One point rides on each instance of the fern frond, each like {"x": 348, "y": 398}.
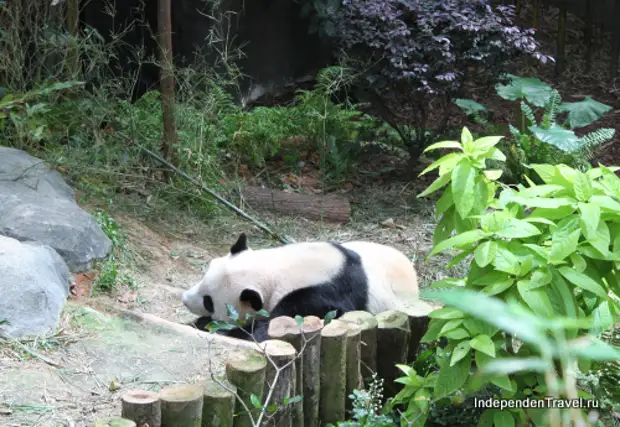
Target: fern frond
{"x": 528, "y": 113}
{"x": 552, "y": 109}
{"x": 593, "y": 140}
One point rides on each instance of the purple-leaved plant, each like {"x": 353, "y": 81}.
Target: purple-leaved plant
{"x": 418, "y": 52}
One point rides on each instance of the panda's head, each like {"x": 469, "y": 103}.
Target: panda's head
{"x": 226, "y": 281}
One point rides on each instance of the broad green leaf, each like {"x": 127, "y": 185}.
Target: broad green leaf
{"x": 457, "y": 334}
{"x": 494, "y": 174}
{"x": 485, "y": 253}
{"x": 467, "y": 140}
{"x": 563, "y": 139}
{"x": 502, "y": 381}
{"x": 532, "y": 89}
{"x": 553, "y": 214}
{"x": 583, "y": 113}
{"x": 484, "y": 344}
{"x": 444, "y": 144}
{"x": 592, "y": 348}
{"x": 541, "y": 190}
{"x": 603, "y": 318}
{"x": 544, "y": 202}
{"x": 460, "y": 240}
{"x": 432, "y": 333}
{"x": 582, "y": 187}
{"x": 497, "y": 288}
{"x": 490, "y": 278}
{"x": 535, "y": 298}
{"x": 444, "y": 202}
{"x": 493, "y": 311}
{"x": 478, "y": 327}
{"x": 579, "y": 263}
{"x": 450, "y": 325}
{"x": 448, "y": 283}
{"x": 546, "y": 172}
{"x": 541, "y": 277}
{"x": 563, "y": 245}
{"x": 513, "y": 365}
{"x": 436, "y": 185}
{"x": 606, "y": 203}
{"x": 589, "y": 218}
{"x": 503, "y": 419}
{"x": 451, "y": 378}
{"x": 460, "y": 351}
{"x": 486, "y": 142}
{"x": 470, "y": 107}
{"x": 517, "y": 229}
{"x": 481, "y": 198}
{"x": 463, "y": 184}
{"x": 491, "y": 223}
{"x": 583, "y": 281}
{"x": 256, "y": 401}
{"x": 496, "y": 154}
{"x": 453, "y": 158}
{"x": 446, "y": 313}
{"x": 422, "y": 399}
{"x": 506, "y": 261}
{"x": 445, "y": 226}
{"x": 600, "y": 238}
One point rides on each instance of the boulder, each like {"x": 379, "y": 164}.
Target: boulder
{"x": 34, "y": 284}
{"x": 36, "y": 205}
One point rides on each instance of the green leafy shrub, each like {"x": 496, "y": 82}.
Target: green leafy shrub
{"x": 546, "y": 140}
{"x": 550, "y": 250}
{"x": 314, "y": 121}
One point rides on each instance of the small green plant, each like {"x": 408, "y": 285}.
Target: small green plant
{"x": 550, "y": 251}
{"x": 110, "y": 270}
{"x": 314, "y": 122}
{"x": 367, "y": 408}
{"x": 546, "y": 139}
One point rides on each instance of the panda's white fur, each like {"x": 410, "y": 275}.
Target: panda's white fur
{"x": 273, "y": 275}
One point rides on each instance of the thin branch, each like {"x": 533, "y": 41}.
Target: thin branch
{"x": 281, "y": 238}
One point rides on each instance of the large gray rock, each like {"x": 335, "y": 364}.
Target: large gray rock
{"x": 34, "y": 284}
{"x": 36, "y": 205}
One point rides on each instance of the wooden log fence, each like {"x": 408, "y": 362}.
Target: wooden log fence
{"x": 306, "y": 371}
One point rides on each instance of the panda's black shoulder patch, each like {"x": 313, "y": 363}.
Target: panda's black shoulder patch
{"x": 346, "y": 291}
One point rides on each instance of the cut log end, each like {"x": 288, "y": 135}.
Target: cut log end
{"x": 362, "y": 318}
{"x": 277, "y": 348}
{"x": 283, "y": 326}
{"x": 181, "y": 406}
{"x": 391, "y": 319}
{"x": 141, "y": 406}
{"x": 335, "y": 328}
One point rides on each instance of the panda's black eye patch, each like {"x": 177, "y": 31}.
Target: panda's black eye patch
{"x": 207, "y": 301}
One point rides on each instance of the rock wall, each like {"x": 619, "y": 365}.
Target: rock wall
{"x": 44, "y": 234}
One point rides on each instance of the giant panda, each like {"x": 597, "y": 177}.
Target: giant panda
{"x": 308, "y": 278}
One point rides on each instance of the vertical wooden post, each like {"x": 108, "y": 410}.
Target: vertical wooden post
{"x": 588, "y": 33}
{"x": 561, "y": 38}
{"x": 164, "y": 29}
{"x": 535, "y": 12}
{"x": 72, "y": 22}
{"x": 392, "y": 347}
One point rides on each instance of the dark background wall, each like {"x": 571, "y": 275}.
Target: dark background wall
{"x": 277, "y": 45}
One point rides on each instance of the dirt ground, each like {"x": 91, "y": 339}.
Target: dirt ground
{"x": 78, "y": 374}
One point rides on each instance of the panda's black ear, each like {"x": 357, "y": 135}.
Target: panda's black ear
{"x": 253, "y": 298}
{"x": 239, "y": 246}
